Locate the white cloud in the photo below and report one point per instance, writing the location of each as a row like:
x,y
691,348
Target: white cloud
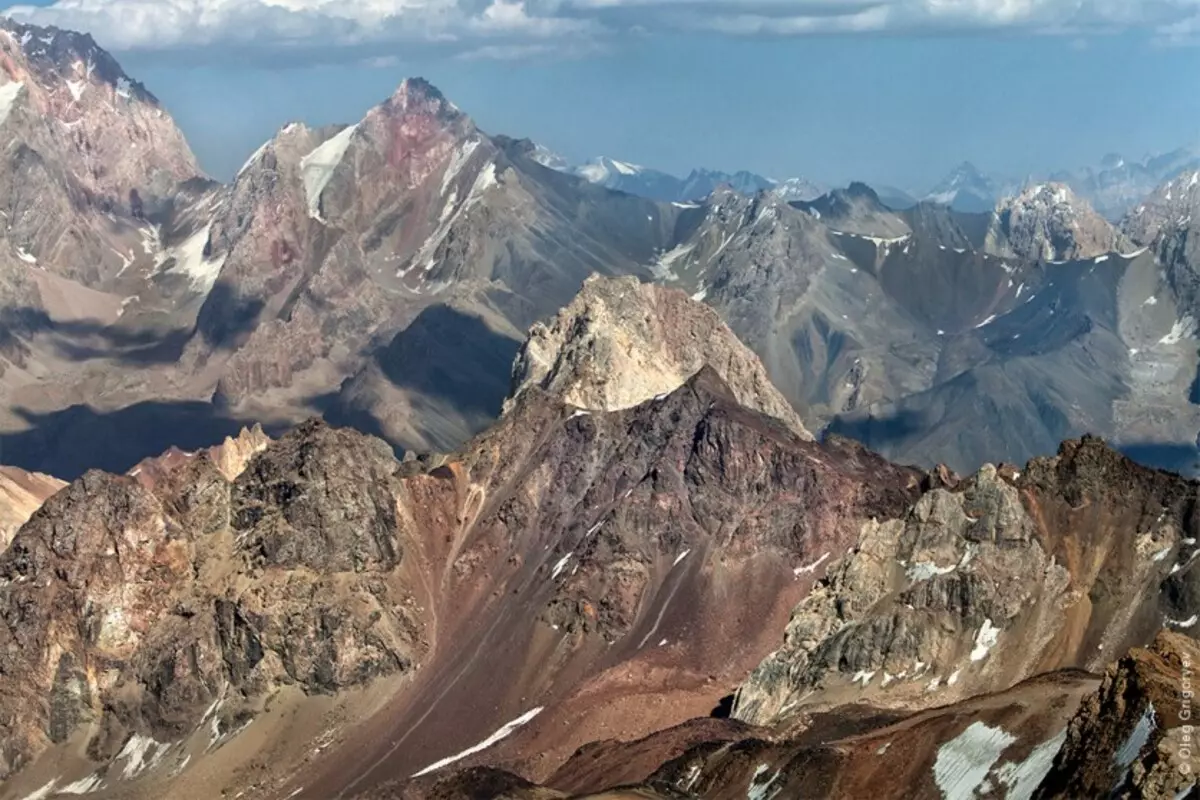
x,y
370,29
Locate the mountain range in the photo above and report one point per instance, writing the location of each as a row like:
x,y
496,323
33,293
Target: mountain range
x,y
382,274
1112,187
414,462
657,185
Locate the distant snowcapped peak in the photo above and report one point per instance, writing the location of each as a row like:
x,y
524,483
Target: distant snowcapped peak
x,y
548,158
599,169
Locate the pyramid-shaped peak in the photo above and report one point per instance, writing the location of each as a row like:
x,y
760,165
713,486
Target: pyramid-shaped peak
x,y
418,90
419,96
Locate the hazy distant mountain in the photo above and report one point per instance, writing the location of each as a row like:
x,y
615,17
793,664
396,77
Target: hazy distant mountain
x,y
1118,184
657,185
966,188
894,197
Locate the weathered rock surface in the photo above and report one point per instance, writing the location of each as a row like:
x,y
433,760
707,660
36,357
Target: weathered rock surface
x,y
149,611
989,581
621,342
1048,222
614,551
1134,736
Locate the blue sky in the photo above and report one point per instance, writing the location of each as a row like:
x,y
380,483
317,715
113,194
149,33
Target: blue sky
x,y
827,89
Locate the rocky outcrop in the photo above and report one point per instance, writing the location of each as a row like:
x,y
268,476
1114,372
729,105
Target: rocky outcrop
x,y
232,456
1133,737
927,608
1167,223
622,342
1048,222
92,156
146,610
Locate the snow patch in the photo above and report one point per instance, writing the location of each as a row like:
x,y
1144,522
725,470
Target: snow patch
x,y
26,256
1184,623
84,785
1138,737
662,265
924,570
798,571
760,784
963,763
985,640
626,169
188,259
1150,301
139,754
317,168
1182,329
986,322
863,677
503,733
1023,778
42,793
485,180
1101,259
77,89
558,567
1161,554
254,157
457,161
681,557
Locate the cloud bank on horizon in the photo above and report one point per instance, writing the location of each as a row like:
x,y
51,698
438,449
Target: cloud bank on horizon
x,y
362,29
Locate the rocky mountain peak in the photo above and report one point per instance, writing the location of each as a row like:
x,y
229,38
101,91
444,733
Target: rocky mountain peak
x,y
621,342
966,188
1132,737
862,190
1049,222
419,96
56,55
1169,208
92,156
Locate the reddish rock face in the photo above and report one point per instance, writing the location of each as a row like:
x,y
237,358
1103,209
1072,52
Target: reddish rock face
x,y
171,615
569,578
90,149
1133,736
654,544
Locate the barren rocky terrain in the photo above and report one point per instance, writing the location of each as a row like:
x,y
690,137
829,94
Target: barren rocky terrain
x,y
405,466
